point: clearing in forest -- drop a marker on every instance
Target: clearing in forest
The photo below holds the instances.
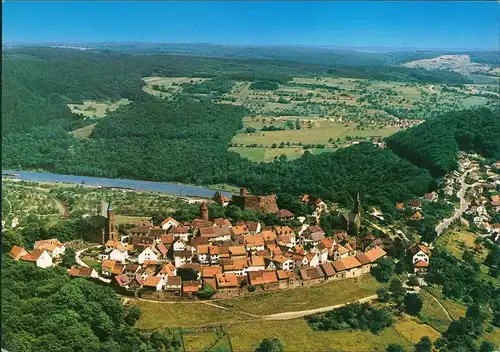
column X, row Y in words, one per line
column 91, row 108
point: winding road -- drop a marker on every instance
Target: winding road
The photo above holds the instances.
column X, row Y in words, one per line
column 80, row 262
column 444, row 224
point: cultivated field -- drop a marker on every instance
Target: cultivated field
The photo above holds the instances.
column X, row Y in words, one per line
column 332, row 111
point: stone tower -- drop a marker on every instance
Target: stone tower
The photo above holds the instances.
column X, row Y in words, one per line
column 111, row 233
column 204, row 212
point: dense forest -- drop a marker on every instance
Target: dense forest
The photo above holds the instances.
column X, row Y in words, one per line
column 42, row 307
column 189, row 139
column 434, row 145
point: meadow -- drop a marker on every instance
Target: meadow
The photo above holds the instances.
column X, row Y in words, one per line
column 91, row 108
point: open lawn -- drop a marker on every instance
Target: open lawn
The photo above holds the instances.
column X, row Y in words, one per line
column 303, row 298
column 91, row 108
column 296, row 335
column 84, row 132
column 157, row 315
column 432, row 313
column 414, row 331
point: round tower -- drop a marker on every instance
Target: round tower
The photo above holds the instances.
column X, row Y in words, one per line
column 204, row 212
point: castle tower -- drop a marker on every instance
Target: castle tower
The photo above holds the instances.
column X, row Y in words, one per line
column 204, row 212
column 111, row 233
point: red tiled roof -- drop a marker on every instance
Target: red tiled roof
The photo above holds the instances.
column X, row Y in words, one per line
column 262, row 277
column 371, row 256
column 17, row 252
column 122, row 280
column 152, row 281
column 312, row 273
column 174, row 281
column 421, row 264
column 33, row 255
column 163, row 250
column 328, row 269
column 346, row 264
column 210, row 271
column 190, row 286
column 226, row 280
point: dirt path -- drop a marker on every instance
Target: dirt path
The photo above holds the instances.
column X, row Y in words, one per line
column 303, row 313
column 442, row 307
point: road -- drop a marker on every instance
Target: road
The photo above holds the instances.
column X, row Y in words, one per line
column 303, row 313
column 82, row 263
column 463, row 204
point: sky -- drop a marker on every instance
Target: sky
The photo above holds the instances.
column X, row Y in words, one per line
column 444, row 25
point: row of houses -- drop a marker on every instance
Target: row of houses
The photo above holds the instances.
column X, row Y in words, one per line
column 43, row 255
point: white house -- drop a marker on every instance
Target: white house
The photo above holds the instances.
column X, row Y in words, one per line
column 147, row 254
column 52, row 246
column 340, row 252
column 420, row 253
column 322, row 252
column 119, row 255
column 40, row 257
column 167, row 270
column 180, row 245
column 313, row 259
column 202, row 254
column 283, row 263
column 168, row 223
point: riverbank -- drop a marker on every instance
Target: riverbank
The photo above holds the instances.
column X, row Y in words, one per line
column 174, row 189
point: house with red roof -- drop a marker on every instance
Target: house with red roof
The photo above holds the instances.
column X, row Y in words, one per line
column 40, row 257
column 17, row 252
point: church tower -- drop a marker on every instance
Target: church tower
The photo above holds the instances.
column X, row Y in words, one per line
column 357, row 205
column 111, row 233
column 204, row 212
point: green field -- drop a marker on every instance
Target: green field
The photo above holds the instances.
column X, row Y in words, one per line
column 296, row 335
column 206, row 342
column 156, row 315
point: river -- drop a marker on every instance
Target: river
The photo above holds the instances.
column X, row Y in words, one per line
column 168, row 188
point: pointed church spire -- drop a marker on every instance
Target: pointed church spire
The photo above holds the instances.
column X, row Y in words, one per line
column 357, row 204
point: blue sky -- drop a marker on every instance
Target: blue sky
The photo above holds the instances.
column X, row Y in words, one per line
column 472, row 25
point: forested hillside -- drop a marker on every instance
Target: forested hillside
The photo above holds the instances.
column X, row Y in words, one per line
column 46, row 310
column 434, row 145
